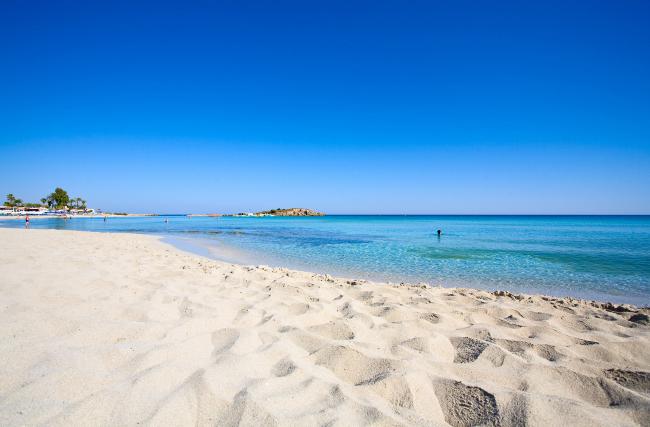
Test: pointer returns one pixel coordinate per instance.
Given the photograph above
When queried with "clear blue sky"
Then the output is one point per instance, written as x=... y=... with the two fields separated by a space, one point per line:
x=342 y=106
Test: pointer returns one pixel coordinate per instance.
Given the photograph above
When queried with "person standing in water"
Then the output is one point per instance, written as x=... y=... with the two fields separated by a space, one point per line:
x=26 y=221
x=439 y=233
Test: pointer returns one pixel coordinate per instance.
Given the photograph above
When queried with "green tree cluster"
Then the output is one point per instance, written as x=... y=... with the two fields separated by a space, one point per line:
x=12 y=201
x=58 y=199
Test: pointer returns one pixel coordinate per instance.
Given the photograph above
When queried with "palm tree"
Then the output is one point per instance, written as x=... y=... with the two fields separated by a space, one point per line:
x=43 y=201
x=11 y=200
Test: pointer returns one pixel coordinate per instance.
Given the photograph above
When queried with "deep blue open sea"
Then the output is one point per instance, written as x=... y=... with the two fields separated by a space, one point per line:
x=596 y=257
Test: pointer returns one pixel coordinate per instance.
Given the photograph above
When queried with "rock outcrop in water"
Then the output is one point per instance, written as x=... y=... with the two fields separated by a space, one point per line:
x=291 y=212
x=282 y=212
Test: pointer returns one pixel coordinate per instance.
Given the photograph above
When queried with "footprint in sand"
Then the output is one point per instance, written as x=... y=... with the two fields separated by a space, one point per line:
x=354 y=367
x=283 y=368
x=365 y=296
x=635 y=380
x=419 y=344
x=223 y=340
x=298 y=308
x=346 y=310
x=430 y=317
x=464 y=405
x=394 y=389
x=513 y=346
x=335 y=329
x=467 y=349
x=545 y=351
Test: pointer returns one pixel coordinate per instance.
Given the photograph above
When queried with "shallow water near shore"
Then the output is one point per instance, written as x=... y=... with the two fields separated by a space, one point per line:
x=595 y=257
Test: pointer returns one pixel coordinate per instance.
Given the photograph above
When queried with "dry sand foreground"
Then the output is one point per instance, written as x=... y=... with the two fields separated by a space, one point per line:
x=119 y=329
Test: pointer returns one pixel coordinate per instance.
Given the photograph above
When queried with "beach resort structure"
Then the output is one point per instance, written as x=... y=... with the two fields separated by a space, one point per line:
x=42 y=210
x=21 y=210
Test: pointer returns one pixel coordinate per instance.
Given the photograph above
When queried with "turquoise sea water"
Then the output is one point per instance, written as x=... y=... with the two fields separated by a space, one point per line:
x=596 y=257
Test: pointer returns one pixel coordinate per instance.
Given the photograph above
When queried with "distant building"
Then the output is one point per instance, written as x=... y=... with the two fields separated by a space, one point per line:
x=7 y=210
x=39 y=210
x=22 y=210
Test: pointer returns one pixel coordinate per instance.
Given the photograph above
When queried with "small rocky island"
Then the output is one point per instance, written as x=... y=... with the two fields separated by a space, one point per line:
x=283 y=212
x=292 y=212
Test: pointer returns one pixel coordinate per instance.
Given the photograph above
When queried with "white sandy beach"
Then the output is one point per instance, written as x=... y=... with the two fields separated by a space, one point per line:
x=122 y=329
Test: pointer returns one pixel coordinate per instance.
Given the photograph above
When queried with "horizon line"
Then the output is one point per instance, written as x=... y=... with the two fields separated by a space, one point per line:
x=433 y=214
